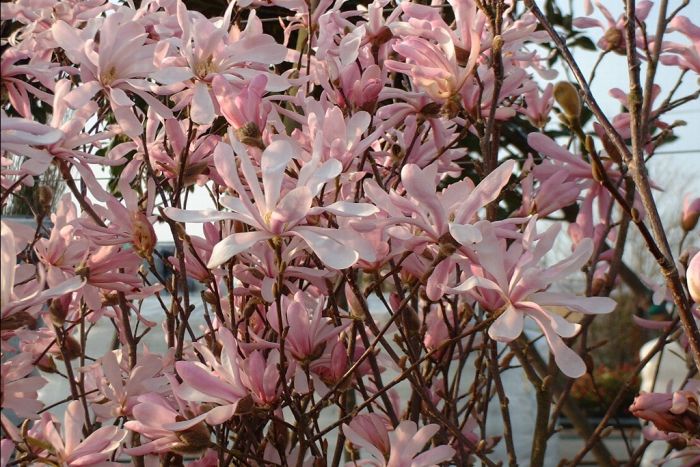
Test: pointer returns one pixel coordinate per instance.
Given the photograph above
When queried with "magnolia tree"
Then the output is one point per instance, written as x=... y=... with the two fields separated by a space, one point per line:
x=362 y=200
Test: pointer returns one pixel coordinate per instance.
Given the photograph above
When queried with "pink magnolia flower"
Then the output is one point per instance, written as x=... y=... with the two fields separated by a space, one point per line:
x=161 y=421
x=308 y=330
x=67 y=447
x=19 y=390
x=406 y=441
x=218 y=382
x=614 y=37
x=361 y=88
x=432 y=215
x=548 y=193
x=116 y=63
x=20 y=138
x=539 y=105
x=272 y=214
x=63 y=251
x=118 y=390
x=685 y=57
x=371 y=432
x=22 y=286
x=207 y=51
x=675 y=413
x=327 y=132
x=329 y=368
x=128 y=223
x=432 y=68
x=510 y=280
x=106 y=269
x=261 y=376
x=19 y=90
x=243 y=108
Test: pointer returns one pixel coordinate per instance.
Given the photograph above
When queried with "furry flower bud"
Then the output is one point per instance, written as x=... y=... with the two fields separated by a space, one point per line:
x=567 y=97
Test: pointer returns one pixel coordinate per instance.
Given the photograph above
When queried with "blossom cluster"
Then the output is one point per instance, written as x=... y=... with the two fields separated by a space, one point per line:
x=343 y=210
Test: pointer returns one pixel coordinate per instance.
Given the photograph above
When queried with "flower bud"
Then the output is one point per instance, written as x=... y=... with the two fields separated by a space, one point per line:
x=568 y=99
x=250 y=135
x=57 y=312
x=71 y=348
x=597 y=170
x=44 y=198
x=143 y=237
x=691 y=214
x=497 y=43
x=692 y=276
x=614 y=41
x=47 y=364
x=354 y=305
x=672 y=413
x=209 y=297
x=17 y=320
x=193 y=440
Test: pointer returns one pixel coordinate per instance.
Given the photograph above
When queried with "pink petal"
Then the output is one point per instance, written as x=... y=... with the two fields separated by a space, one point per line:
x=201 y=108
x=234 y=244
x=508 y=326
x=273 y=163
x=330 y=251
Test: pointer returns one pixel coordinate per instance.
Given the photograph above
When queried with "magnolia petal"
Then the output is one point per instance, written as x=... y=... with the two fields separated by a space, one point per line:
x=434 y=456
x=202 y=107
x=172 y=75
x=588 y=305
x=291 y=209
x=203 y=215
x=361 y=442
x=508 y=326
x=435 y=287
x=346 y=208
x=466 y=234
x=568 y=361
x=330 y=251
x=232 y=245
x=485 y=192
x=273 y=163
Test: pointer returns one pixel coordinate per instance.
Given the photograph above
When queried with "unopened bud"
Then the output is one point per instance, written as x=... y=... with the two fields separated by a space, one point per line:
x=44 y=198
x=82 y=271
x=209 y=297
x=497 y=43
x=354 y=305
x=597 y=171
x=590 y=145
x=611 y=150
x=568 y=99
x=193 y=440
x=634 y=213
x=57 y=312
x=691 y=214
x=249 y=134
x=71 y=349
x=17 y=320
x=143 y=237
x=614 y=41
x=47 y=364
